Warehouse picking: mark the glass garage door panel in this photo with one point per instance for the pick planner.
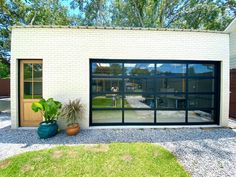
(106, 69)
(106, 85)
(107, 101)
(139, 85)
(201, 85)
(107, 116)
(170, 69)
(171, 101)
(152, 92)
(207, 70)
(201, 101)
(170, 85)
(139, 116)
(170, 116)
(201, 116)
(139, 101)
(139, 69)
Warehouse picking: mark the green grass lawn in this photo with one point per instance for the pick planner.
(116, 159)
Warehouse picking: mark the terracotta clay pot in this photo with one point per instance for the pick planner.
(73, 129)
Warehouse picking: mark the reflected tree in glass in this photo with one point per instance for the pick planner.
(108, 69)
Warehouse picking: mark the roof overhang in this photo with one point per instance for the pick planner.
(232, 27)
(120, 28)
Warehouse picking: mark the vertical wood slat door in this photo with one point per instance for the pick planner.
(232, 110)
(30, 91)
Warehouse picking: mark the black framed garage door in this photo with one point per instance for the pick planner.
(154, 92)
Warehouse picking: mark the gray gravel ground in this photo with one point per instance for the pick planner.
(203, 152)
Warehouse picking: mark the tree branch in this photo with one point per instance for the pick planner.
(33, 19)
(138, 13)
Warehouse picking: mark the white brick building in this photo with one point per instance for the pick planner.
(164, 77)
(231, 29)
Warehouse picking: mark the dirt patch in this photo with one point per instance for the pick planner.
(37, 159)
(27, 167)
(156, 154)
(126, 157)
(72, 154)
(5, 164)
(57, 154)
(97, 147)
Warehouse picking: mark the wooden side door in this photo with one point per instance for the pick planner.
(31, 83)
(232, 110)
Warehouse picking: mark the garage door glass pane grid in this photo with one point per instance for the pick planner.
(152, 92)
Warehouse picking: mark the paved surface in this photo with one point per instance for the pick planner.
(136, 102)
(4, 104)
(203, 152)
(232, 123)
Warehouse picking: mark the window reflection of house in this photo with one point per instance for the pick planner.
(105, 84)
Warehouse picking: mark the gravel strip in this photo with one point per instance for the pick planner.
(207, 152)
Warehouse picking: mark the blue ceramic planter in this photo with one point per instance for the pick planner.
(47, 130)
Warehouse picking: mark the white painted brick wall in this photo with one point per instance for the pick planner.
(66, 53)
(233, 50)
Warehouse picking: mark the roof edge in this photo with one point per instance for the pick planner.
(231, 26)
(119, 28)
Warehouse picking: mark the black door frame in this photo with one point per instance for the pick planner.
(216, 93)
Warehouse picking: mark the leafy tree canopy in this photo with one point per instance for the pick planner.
(195, 14)
(4, 69)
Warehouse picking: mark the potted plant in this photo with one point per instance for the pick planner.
(72, 112)
(50, 111)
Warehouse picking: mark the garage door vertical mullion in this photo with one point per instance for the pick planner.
(155, 97)
(122, 92)
(186, 94)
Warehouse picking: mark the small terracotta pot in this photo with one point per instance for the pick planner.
(73, 129)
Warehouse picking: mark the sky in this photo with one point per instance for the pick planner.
(66, 3)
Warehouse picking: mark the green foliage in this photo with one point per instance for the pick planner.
(72, 111)
(29, 12)
(48, 108)
(115, 159)
(114, 69)
(4, 70)
(139, 71)
(93, 12)
(196, 14)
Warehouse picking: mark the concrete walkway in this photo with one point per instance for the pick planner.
(136, 102)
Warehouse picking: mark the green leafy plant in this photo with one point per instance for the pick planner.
(4, 70)
(72, 111)
(48, 108)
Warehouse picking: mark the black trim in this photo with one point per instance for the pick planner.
(90, 92)
(218, 92)
(154, 93)
(19, 101)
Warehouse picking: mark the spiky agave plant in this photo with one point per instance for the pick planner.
(72, 111)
